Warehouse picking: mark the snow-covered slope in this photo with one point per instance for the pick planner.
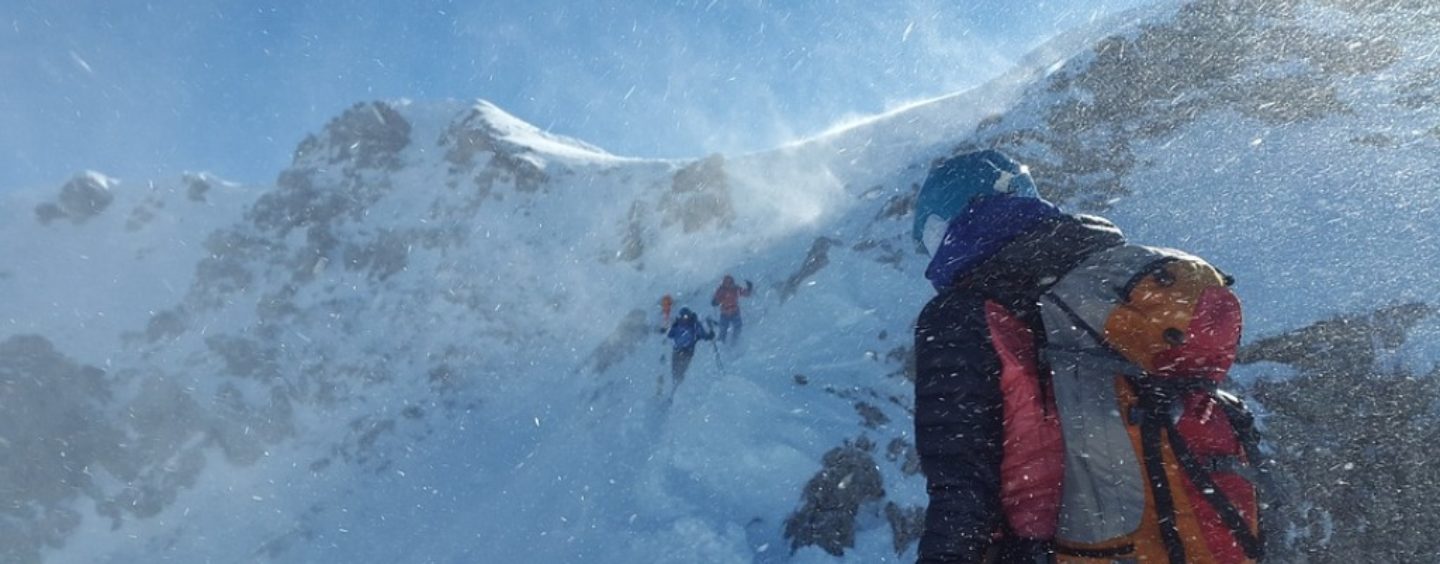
(432, 340)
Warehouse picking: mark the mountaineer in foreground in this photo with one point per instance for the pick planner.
(1067, 402)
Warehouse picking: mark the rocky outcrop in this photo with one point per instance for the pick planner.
(699, 197)
(81, 198)
(901, 451)
(60, 429)
(381, 257)
(474, 146)
(816, 259)
(870, 416)
(848, 479)
(628, 335)
(1339, 345)
(632, 241)
(1353, 441)
(196, 187)
(54, 430)
(368, 135)
(1147, 85)
(907, 525)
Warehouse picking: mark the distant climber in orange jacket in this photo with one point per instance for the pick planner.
(665, 302)
(727, 298)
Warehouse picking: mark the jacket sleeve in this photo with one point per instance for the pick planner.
(959, 411)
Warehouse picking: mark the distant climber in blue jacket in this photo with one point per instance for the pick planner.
(685, 333)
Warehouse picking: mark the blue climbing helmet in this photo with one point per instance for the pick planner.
(959, 180)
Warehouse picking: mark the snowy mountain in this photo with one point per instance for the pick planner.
(432, 339)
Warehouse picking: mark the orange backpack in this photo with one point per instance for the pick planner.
(1158, 462)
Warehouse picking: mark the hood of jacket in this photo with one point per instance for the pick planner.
(1007, 246)
(982, 229)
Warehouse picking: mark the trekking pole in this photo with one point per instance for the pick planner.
(714, 345)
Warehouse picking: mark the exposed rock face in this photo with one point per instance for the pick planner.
(870, 416)
(383, 256)
(467, 140)
(245, 358)
(884, 242)
(59, 431)
(196, 187)
(832, 499)
(699, 197)
(907, 525)
(237, 392)
(899, 207)
(1150, 84)
(53, 429)
(303, 200)
(632, 245)
(473, 145)
(1341, 345)
(83, 197)
(900, 450)
(368, 135)
(166, 324)
(1353, 442)
(630, 334)
(815, 260)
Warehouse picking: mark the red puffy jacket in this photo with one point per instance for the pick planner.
(728, 295)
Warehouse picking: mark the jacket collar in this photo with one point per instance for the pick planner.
(981, 230)
(1024, 265)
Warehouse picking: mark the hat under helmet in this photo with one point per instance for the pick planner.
(959, 180)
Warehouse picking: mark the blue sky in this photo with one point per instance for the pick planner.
(141, 89)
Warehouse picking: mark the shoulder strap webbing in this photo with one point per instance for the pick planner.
(1150, 442)
(1252, 543)
(1244, 424)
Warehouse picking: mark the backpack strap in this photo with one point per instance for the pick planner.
(1153, 414)
(1075, 317)
(1269, 489)
(1244, 424)
(1157, 400)
(1253, 543)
